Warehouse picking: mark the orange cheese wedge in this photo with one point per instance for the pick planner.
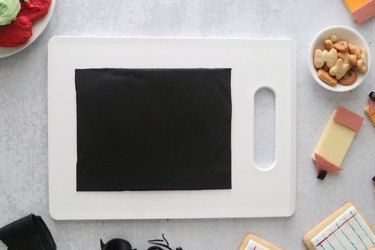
(352, 5)
(370, 116)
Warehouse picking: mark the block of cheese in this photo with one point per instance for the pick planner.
(361, 10)
(352, 5)
(370, 116)
(365, 12)
(253, 242)
(370, 110)
(371, 106)
(336, 140)
(346, 228)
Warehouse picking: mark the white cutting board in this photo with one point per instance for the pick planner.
(255, 64)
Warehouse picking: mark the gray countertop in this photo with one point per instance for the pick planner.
(23, 118)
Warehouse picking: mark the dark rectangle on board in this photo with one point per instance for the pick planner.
(153, 129)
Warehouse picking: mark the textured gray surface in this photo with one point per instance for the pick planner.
(23, 118)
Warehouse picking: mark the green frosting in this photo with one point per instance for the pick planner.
(8, 11)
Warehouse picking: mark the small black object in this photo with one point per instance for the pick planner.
(153, 129)
(28, 233)
(161, 244)
(373, 178)
(372, 95)
(116, 244)
(322, 174)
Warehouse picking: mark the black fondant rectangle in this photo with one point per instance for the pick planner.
(153, 129)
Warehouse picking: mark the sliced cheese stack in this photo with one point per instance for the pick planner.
(361, 10)
(336, 140)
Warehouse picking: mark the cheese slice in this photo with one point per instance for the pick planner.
(361, 10)
(352, 5)
(370, 116)
(334, 142)
(364, 12)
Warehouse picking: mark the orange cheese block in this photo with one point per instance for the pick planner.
(370, 116)
(352, 5)
(364, 12)
(361, 10)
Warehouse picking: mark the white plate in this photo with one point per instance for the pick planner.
(38, 28)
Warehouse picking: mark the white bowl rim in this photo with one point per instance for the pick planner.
(313, 70)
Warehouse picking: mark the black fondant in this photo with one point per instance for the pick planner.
(372, 95)
(322, 174)
(28, 233)
(153, 129)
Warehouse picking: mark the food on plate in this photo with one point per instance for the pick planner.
(341, 46)
(340, 60)
(325, 57)
(354, 50)
(348, 58)
(349, 78)
(34, 9)
(16, 17)
(362, 63)
(340, 69)
(8, 11)
(327, 78)
(16, 33)
(328, 44)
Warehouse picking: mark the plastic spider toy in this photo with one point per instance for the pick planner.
(161, 244)
(121, 244)
(116, 244)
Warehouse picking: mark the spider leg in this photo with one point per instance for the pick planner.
(165, 239)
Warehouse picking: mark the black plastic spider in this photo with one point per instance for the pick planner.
(121, 244)
(116, 244)
(161, 244)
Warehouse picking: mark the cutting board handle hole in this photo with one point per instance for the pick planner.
(264, 128)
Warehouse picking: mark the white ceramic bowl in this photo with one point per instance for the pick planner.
(342, 33)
